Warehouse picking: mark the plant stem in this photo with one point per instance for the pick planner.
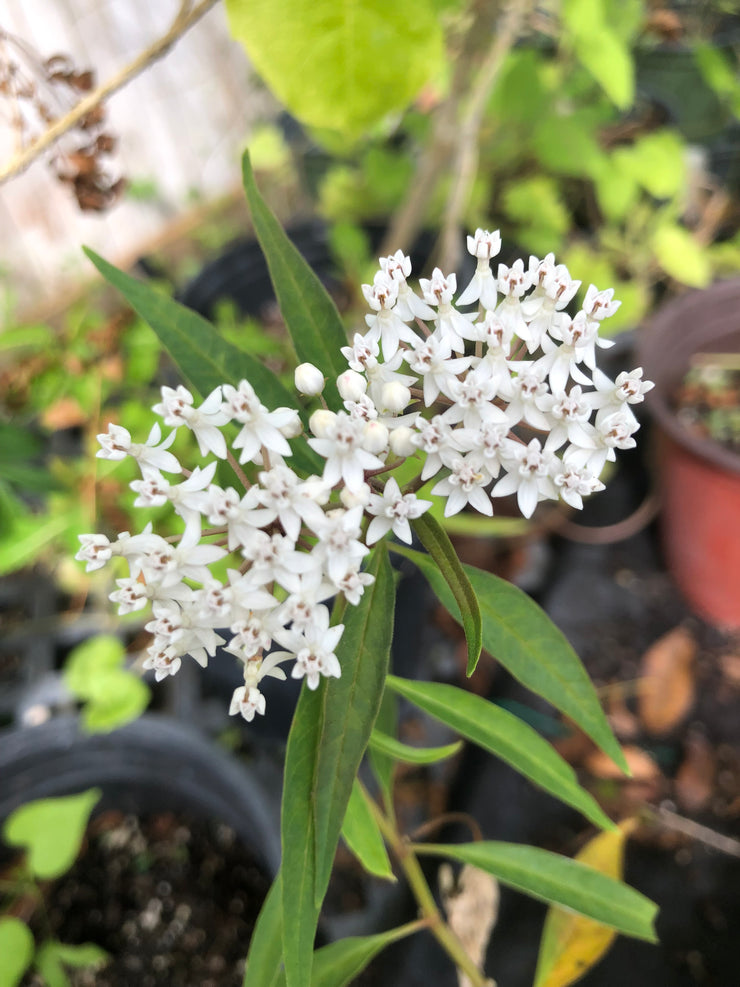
(406, 856)
(184, 19)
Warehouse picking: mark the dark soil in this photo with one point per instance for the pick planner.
(173, 900)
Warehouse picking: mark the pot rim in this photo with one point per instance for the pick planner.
(704, 315)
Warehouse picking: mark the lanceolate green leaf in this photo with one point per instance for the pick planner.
(559, 880)
(264, 959)
(383, 765)
(342, 65)
(361, 834)
(339, 963)
(330, 731)
(203, 357)
(411, 755)
(309, 312)
(436, 541)
(520, 635)
(352, 704)
(506, 736)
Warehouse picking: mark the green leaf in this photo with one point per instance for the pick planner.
(203, 357)
(505, 735)
(361, 834)
(16, 950)
(330, 731)
(446, 563)
(558, 880)
(411, 755)
(310, 314)
(339, 963)
(352, 705)
(567, 145)
(50, 967)
(264, 959)
(520, 635)
(112, 695)
(23, 535)
(76, 956)
(656, 162)
(343, 65)
(382, 765)
(681, 256)
(609, 61)
(51, 831)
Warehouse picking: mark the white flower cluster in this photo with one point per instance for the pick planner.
(460, 391)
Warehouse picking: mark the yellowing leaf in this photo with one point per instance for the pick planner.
(572, 944)
(668, 681)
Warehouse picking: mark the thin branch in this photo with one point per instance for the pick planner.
(465, 162)
(671, 820)
(186, 17)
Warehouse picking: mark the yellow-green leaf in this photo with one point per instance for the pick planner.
(361, 834)
(572, 944)
(681, 256)
(51, 831)
(342, 65)
(16, 950)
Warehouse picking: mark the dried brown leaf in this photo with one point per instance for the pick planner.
(694, 784)
(668, 681)
(642, 766)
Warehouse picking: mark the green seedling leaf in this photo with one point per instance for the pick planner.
(339, 963)
(327, 740)
(113, 696)
(203, 357)
(411, 755)
(343, 65)
(558, 880)
(609, 60)
(520, 635)
(16, 950)
(361, 834)
(436, 541)
(504, 735)
(310, 314)
(51, 831)
(50, 967)
(264, 959)
(84, 954)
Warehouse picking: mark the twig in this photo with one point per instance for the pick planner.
(671, 820)
(185, 18)
(465, 163)
(407, 221)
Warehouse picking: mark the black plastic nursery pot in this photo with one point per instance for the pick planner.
(177, 859)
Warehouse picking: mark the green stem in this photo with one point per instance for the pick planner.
(405, 853)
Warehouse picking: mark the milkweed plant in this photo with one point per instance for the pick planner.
(441, 404)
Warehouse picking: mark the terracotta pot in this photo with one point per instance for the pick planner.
(700, 479)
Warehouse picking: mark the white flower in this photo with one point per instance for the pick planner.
(343, 449)
(386, 326)
(465, 485)
(260, 427)
(313, 648)
(393, 510)
(529, 477)
(176, 407)
(484, 245)
(247, 701)
(339, 549)
(284, 496)
(431, 359)
(351, 386)
(575, 484)
(116, 444)
(600, 304)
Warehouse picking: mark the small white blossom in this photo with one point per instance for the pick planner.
(392, 511)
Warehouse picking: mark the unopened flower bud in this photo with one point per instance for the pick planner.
(353, 498)
(308, 379)
(320, 422)
(402, 441)
(351, 385)
(395, 397)
(375, 437)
